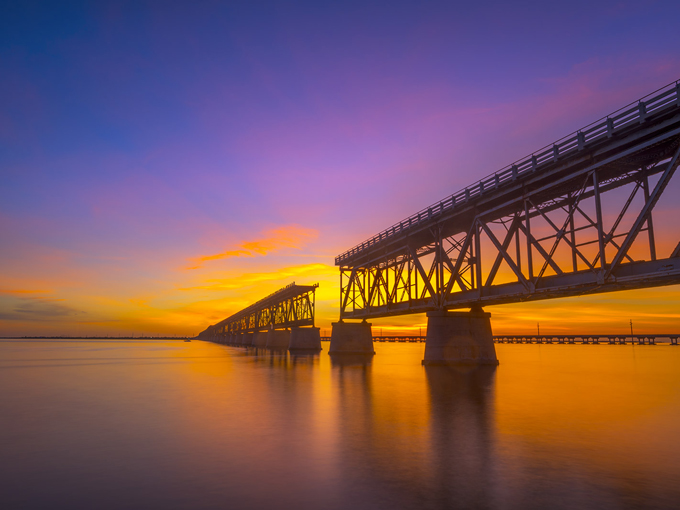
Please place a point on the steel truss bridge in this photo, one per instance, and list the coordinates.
(291, 306)
(573, 218)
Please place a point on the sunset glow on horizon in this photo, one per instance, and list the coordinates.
(165, 165)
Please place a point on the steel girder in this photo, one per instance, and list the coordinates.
(568, 227)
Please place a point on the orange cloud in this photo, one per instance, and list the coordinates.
(21, 292)
(246, 279)
(287, 236)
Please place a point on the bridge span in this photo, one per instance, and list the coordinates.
(573, 218)
(282, 320)
(637, 339)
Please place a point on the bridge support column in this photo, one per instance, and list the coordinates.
(260, 339)
(459, 338)
(248, 338)
(305, 339)
(278, 339)
(351, 338)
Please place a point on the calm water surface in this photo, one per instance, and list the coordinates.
(174, 425)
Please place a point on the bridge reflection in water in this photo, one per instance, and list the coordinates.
(179, 425)
(462, 434)
(550, 426)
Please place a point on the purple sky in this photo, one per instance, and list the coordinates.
(254, 141)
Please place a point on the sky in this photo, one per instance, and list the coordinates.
(165, 164)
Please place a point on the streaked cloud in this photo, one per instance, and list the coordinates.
(39, 309)
(274, 240)
(246, 279)
(22, 292)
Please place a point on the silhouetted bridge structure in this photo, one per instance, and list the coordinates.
(586, 339)
(549, 339)
(282, 320)
(566, 220)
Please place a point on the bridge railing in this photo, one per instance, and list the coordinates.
(636, 112)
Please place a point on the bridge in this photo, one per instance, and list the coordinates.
(572, 218)
(637, 339)
(282, 320)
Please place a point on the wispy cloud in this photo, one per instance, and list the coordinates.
(22, 292)
(39, 309)
(286, 236)
(245, 279)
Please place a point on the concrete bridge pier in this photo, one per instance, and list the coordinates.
(248, 338)
(459, 338)
(305, 339)
(260, 339)
(278, 338)
(351, 338)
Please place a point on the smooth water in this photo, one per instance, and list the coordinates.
(167, 424)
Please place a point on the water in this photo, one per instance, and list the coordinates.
(174, 425)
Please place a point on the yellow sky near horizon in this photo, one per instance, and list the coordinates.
(190, 300)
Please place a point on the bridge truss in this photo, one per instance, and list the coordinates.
(573, 218)
(291, 306)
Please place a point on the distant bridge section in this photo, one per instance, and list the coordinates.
(572, 218)
(587, 339)
(291, 306)
(550, 339)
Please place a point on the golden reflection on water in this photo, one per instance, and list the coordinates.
(597, 412)
(200, 425)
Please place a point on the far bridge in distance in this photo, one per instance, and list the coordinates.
(592, 339)
(572, 218)
(282, 320)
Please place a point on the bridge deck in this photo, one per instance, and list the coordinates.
(537, 229)
(648, 124)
